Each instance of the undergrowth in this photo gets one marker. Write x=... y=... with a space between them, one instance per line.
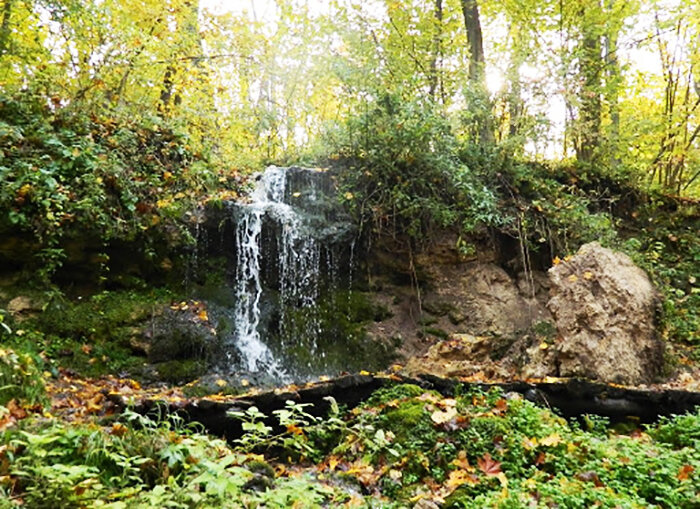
x=404 y=444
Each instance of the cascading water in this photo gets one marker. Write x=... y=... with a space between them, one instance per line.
x=290 y=240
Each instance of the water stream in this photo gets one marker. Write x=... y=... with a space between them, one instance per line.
x=292 y=245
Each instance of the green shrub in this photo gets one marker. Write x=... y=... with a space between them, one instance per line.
x=20 y=378
x=65 y=172
x=403 y=175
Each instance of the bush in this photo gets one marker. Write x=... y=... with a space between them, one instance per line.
x=20 y=378
x=65 y=172
x=402 y=173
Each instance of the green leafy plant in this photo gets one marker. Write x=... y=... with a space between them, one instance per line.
x=20 y=377
x=403 y=174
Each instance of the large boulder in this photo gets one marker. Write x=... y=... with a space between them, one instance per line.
x=604 y=309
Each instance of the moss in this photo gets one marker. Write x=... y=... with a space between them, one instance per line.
x=402 y=391
x=261 y=468
x=107 y=315
x=93 y=335
x=180 y=371
x=404 y=419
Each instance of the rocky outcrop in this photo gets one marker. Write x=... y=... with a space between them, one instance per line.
x=604 y=310
x=482 y=298
x=599 y=323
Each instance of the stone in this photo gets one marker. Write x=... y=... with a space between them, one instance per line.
x=22 y=307
x=482 y=298
x=177 y=335
x=604 y=309
x=459 y=355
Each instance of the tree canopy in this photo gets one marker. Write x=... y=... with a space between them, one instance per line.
x=609 y=83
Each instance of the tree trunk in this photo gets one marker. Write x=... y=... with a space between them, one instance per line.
x=437 y=51
x=477 y=61
x=5 y=27
x=590 y=64
x=477 y=69
x=612 y=67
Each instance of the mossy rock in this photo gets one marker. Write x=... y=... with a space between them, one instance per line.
x=175 y=335
x=180 y=371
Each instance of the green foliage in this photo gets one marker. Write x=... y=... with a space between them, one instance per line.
x=664 y=242
x=478 y=449
x=20 y=377
x=403 y=175
x=65 y=173
x=139 y=464
x=404 y=438
x=297 y=434
x=679 y=431
x=557 y=208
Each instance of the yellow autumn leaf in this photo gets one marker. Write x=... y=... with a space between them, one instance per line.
x=588 y=275
x=221 y=383
x=332 y=463
x=543 y=346
x=530 y=443
x=202 y=315
x=461 y=462
x=551 y=440
x=459 y=477
x=556 y=260
x=440 y=417
x=573 y=278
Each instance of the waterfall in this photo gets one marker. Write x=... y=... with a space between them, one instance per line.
x=285 y=255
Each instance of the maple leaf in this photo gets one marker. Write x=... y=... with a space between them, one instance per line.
x=488 y=465
x=684 y=472
x=459 y=477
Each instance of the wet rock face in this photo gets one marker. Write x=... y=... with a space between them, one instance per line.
x=604 y=310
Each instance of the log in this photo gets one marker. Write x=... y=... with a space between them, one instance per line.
x=570 y=398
